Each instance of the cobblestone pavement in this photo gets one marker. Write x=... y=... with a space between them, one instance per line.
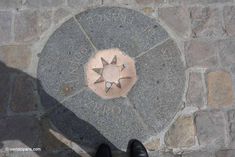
x=191 y=114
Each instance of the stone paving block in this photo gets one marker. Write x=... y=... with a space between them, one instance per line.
x=19 y=132
x=231 y=123
x=195 y=91
x=90 y=120
x=61 y=72
x=200 y=53
x=204 y=2
x=153 y=144
x=229 y=21
x=60 y=14
x=42 y=3
x=148 y=2
x=29 y=24
x=4 y=91
x=49 y=141
x=206 y=22
x=5 y=26
x=226 y=52
x=122 y=28
x=210 y=127
x=10 y=4
x=198 y=154
x=23 y=97
x=177 y=19
x=225 y=153
x=16 y=56
x=181 y=133
x=160 y=84
x=219 y=86
x=84 y=4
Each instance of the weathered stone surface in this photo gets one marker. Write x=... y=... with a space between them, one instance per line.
x=229 y=21
x=183 y=2
x=201 y=53
x=19 y=132
x=231 y=123
x=4 y=91
x=177 y=19
x=206 y=22
x=5 y=26
x=29 y=24
x=10 y=4
x=42 y=3
x=160 y=84
x=210 y=127
x=226 y=52
x=113 y=121
x=60 y=14
x=195 y=91
x=16 y=56
x=225 y=153
x=83 y=5
x=23 y=97
x=61 y=72
x=50 y=141
x=128 y=30
x=153 y=144
x=220 y=92
x=198 y=154
x=181 y=133
x=162 y=95
x=148 y=2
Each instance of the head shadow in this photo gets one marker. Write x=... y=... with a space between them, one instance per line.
x=21 y=92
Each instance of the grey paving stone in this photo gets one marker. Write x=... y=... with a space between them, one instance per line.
x=4 y=91
x=90 y=120
x=23 y=97
x=42 y=3
x=61 y=61
x=210 y=127
x=10 y=4
x=29 y=24
x=199 y=1
x=19 y=132
x=198 y=154
x=126 y=29
x=226 y=52
x=231 y=123
x=225 y=153
x=158 y=91
x=84 y=4
x=5 y=26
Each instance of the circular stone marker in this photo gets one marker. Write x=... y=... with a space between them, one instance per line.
x=146 y=107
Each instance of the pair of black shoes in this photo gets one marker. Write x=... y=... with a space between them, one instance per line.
x=137 y=149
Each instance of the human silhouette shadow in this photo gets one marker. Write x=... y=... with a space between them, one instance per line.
x=87 y=136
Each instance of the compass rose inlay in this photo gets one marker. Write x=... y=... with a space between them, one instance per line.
x=111 y=73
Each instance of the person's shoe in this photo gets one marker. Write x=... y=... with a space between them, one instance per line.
x=137 y=149
x=103 y=151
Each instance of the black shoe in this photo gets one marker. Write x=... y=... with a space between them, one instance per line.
x=137 y=149
x=103 y=151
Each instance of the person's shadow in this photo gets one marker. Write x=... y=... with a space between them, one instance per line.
x=13 y=126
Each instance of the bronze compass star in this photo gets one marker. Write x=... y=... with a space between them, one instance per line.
x=110 y=73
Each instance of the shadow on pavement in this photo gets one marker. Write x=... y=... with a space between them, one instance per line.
x=23 y=127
